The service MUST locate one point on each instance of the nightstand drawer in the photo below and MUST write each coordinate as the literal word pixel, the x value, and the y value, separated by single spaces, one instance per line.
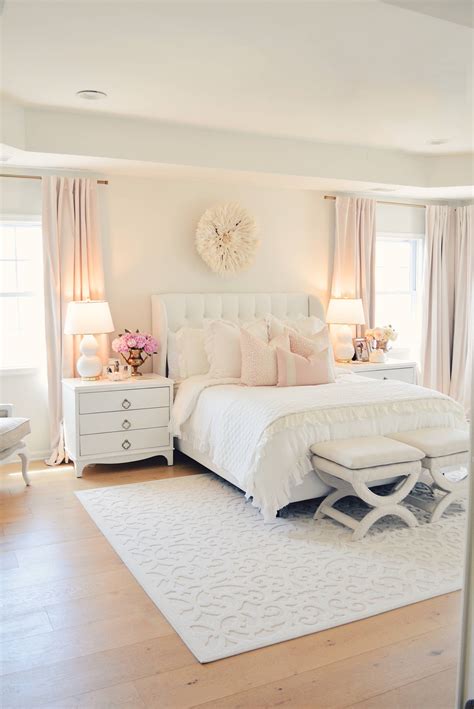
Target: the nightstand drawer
pixel 126 442
pixel 123 420
pixel 123 400
pixel 404 374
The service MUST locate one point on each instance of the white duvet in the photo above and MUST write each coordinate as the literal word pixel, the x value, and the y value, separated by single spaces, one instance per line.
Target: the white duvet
pixel 261 435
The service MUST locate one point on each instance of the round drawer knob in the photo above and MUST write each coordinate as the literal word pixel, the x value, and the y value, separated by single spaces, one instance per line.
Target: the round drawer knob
pixel 385 377
pixel 126 444
pixel 126 424
pixel 126 404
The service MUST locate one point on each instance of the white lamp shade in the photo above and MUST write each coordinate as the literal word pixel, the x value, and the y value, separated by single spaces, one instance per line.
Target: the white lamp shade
pixel 88 317
pixel 345 311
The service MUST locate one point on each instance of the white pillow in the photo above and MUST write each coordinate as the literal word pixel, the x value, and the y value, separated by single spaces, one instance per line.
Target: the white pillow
pixel 186 353
pixel 222 343
pixel 304 325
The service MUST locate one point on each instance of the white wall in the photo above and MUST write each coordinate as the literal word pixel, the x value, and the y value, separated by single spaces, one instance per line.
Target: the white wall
pixel 27 391
pixel 149 227
pixel 401 219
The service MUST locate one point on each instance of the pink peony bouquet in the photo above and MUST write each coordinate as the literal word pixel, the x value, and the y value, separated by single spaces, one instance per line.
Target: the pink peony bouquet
pixel 135 347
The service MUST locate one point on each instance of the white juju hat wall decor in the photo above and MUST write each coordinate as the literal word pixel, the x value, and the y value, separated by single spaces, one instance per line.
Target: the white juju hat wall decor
pixel 226 238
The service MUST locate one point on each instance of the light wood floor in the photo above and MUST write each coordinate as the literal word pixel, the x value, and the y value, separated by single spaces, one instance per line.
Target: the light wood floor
pixel 78 630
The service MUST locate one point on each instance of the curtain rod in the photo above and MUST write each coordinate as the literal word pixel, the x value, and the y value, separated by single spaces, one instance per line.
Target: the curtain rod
pixel 398 204
pixel 38 177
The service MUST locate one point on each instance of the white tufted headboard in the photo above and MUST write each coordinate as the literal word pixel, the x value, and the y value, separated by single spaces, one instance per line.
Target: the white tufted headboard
pixel 170 311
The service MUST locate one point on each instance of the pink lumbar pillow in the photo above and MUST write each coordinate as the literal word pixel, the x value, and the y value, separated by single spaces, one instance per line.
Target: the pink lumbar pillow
pixel 308 361
pixel 259 359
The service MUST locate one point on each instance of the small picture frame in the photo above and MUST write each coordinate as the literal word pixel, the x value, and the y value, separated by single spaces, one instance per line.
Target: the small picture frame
pixel 115 371
pixel 361 347
pixel 114 362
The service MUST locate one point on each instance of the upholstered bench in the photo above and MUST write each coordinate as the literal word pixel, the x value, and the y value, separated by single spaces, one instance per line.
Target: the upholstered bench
pixel 12 432
pixel 353 464
pixel 442 448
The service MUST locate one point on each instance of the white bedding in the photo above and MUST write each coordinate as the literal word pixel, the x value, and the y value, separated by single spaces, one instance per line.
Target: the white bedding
pixel 262 435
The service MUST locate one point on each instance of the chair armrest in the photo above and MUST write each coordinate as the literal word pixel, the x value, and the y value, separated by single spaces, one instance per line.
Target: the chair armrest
pixel 6 410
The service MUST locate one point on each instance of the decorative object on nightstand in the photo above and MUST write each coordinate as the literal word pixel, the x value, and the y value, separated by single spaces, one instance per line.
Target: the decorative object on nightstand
pixel 117 421
pixel 345 312
pixel 361 347
pixel 378 339
pixel 88 318
pixel 135 348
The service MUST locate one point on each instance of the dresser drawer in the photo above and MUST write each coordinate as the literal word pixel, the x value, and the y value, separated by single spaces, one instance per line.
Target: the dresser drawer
pixel 125 442
pixel 123 400
pixel 123 420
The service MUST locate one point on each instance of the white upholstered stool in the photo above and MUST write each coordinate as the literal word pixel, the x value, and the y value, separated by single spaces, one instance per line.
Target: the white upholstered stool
pixel 352 465
pixel 12 432
pixel 442 448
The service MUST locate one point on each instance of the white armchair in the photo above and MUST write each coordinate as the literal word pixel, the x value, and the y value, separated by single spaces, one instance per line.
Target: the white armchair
pixel 12 432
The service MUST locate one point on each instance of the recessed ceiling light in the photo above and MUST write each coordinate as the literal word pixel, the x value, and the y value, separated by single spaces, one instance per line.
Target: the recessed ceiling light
pixel 438 141
pixel 384 189
pixel 91 94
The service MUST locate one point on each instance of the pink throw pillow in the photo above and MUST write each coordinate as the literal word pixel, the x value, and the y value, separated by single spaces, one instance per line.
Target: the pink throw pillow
pixel 259 359
pixel 308 361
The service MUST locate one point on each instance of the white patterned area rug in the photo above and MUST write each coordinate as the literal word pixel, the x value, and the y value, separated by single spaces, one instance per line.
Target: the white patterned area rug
pixel 229 583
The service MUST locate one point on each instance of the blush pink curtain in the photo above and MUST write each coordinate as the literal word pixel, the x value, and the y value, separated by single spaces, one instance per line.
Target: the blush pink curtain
pixel 354 254
pixel 448 310
pixel 73 270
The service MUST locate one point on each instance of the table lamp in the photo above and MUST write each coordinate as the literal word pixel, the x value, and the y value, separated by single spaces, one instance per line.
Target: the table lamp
pixel 345 312
pixel 88 318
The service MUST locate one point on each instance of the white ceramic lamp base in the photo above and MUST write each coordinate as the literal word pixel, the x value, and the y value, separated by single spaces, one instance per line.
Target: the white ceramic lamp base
pixel 89 364
pixel 343 347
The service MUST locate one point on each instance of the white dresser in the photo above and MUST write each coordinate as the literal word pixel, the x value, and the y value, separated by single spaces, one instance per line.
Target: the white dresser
pixel 117 422
pixel 392 369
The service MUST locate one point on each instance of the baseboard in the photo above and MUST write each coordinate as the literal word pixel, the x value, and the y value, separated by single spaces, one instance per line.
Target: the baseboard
pixel 34 455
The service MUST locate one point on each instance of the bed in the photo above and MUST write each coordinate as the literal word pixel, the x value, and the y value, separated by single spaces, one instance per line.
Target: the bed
pixel 258 438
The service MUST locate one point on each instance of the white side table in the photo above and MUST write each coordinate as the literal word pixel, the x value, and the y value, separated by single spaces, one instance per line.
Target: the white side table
pixel 117 422
pixel 404 371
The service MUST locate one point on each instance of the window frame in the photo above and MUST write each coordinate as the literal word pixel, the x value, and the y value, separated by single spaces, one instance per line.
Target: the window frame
pixel 25 219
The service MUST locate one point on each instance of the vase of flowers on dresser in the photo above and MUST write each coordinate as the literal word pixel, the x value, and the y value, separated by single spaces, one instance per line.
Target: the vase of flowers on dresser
pixel 135 348
pixel 379 339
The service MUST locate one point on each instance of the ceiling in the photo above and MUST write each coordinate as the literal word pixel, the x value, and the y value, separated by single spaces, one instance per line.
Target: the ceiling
pixel 460 12
pixel 30 162
pixel 358 72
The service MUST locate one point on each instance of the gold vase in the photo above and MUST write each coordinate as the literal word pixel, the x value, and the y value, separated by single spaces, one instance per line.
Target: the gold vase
pixel 135 360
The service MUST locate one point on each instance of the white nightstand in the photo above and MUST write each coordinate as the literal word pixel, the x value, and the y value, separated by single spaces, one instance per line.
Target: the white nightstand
pixel 392 369
pixel 117 422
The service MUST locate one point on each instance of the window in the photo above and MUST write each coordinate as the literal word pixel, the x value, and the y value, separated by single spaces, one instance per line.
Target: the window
pixel 21 294
pixel 398 274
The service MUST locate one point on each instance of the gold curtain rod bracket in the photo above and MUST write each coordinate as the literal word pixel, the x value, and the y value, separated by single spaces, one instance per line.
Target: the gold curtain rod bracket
pixel 39 177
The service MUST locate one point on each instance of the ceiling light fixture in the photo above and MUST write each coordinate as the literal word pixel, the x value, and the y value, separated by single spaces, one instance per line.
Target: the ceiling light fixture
pixel 91 94
pixel 384 189
pixel 437 141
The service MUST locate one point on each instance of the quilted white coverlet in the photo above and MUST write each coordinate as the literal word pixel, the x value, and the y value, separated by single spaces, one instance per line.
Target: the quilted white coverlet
pixel 262 435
